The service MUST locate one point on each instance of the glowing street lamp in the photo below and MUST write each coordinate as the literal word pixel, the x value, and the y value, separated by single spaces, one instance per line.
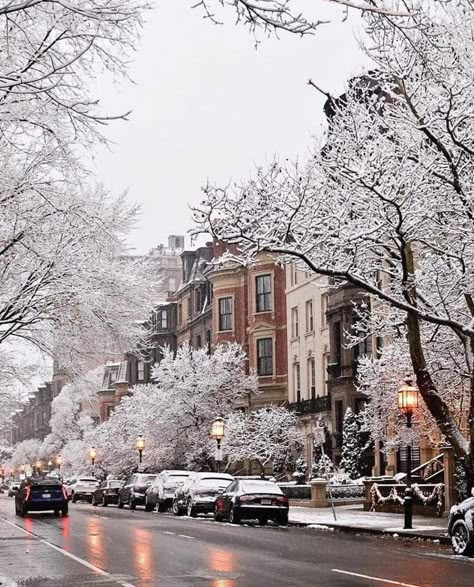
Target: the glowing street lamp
pixel 93 455
pixel 140 445
pixel 217 433
pixel 408 402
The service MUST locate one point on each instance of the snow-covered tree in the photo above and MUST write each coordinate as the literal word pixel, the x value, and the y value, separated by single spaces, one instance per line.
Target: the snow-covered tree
pixel 268 436
pixel 26 452
pixel 385 204
pixel 353 445
pixel 323 467
pixel 175 413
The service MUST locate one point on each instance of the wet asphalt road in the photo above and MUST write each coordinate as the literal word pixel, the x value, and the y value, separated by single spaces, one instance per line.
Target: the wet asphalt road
pixel 105 547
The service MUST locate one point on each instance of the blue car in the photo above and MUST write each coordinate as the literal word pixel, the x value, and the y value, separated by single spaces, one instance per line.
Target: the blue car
pixel 39 495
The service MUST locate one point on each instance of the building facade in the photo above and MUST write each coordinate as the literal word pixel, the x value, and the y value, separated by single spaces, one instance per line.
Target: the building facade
pixel 308 353
pixel 249 307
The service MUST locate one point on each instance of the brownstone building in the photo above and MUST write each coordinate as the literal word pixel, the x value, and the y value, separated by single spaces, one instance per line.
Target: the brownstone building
pixel 249 307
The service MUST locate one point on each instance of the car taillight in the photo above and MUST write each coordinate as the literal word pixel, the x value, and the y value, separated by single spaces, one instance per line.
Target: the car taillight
pixel 64 493
pixel 282 499
pixel 27 493
pixel 247 497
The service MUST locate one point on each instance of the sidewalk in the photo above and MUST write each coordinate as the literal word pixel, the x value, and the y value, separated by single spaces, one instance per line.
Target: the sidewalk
pixel 353 518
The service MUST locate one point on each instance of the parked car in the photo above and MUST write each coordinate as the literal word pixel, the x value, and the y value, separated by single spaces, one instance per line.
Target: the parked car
pixel 200 495
pixel 81 488
pixel 13 488
pixel 252 499
pixel 39 495
pixel 161 493
pixel 107 492
pixel 461 526
pixel 133 492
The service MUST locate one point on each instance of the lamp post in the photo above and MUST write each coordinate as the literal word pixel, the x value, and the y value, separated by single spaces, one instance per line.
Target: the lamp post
pixel 140 445
pixel 217 433
pixel 93 456
pixel 408 398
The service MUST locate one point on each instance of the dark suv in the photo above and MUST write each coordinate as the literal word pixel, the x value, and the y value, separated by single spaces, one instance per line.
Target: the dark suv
pixel 39 495
pixel 461 526
pixel 133 492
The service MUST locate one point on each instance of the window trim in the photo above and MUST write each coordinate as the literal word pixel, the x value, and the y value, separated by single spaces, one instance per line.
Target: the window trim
pixel 309 317
pixel 295 327
pixel 257 340
pixel 232 313
pixel 260 274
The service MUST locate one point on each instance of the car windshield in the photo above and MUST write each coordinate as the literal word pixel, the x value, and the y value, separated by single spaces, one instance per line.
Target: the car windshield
pixel 145 478
pixel 115 483
pixel 261 487
pixel 173 479
pixel 214 483
pixel 87 480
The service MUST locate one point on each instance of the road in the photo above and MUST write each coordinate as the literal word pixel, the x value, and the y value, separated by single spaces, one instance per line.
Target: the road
pixel 107 547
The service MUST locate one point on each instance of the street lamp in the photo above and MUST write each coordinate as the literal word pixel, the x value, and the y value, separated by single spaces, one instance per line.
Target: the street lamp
pixel 140 444
pixel 93 455
pixel 217 433
pixel 408 401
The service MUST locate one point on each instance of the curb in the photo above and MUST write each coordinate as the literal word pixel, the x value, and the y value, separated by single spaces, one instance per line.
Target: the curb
pixel 442 539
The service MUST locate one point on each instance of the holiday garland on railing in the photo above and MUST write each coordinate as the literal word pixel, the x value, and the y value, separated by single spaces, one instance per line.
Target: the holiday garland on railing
pixel 434 498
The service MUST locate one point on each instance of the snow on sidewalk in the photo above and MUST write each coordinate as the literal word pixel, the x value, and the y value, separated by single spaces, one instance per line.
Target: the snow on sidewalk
pixel 355 517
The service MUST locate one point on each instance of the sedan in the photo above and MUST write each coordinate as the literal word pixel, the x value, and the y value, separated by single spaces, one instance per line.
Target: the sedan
pixel 107 492
pixel 133 491
pixel 39 495
pixel 252 499
pixel 202 492
pixel 461 526
pixel 160 494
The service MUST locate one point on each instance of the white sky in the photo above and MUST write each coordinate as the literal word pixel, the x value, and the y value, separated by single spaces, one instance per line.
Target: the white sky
pixel 208 104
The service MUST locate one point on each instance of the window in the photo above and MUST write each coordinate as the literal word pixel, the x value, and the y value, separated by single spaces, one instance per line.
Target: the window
pixel 189 307
pixel 225 314
pixel 337 348
pixel 297 381
pixel 110 409
pixel 198 302
pixel 324 309
pixel 140 370
pixel 180 313
pixel 294 323
pixel 198 341
pixel 309 316
pixel 163 319
pixel 339 422
pixel 293 275
pixel 208 341
pixel 263 289
pixel 112 376
pixel 312 377
pixel 265 356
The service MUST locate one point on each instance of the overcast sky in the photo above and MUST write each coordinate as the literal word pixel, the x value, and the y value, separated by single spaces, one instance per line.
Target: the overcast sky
pixel 208 104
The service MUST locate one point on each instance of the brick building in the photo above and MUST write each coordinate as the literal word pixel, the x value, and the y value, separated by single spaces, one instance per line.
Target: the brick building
pixel 249 307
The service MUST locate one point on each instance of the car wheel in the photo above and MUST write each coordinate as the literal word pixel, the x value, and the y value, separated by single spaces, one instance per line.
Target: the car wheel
pixel 283 520
pixel 161 507
pixel 149 507
pixel 176 509
pixel 460 539
pixel 93 501
pixel 73 498
pixel 65 510
pixel 234 516
pixel 263 520
pixel 218 517
pixel 132 504
pixel 105 503
pixel 56 513
pixel 191 510
pixel 120 503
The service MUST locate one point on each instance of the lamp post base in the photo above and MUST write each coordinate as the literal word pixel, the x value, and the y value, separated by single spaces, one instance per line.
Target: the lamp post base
pixel 408 509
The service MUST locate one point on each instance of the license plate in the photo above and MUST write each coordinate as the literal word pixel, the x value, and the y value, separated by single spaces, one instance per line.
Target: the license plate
pixel 46 495
pixel 266 502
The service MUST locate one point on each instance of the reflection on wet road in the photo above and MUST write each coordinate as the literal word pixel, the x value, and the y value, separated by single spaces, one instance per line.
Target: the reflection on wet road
pixel 98 547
